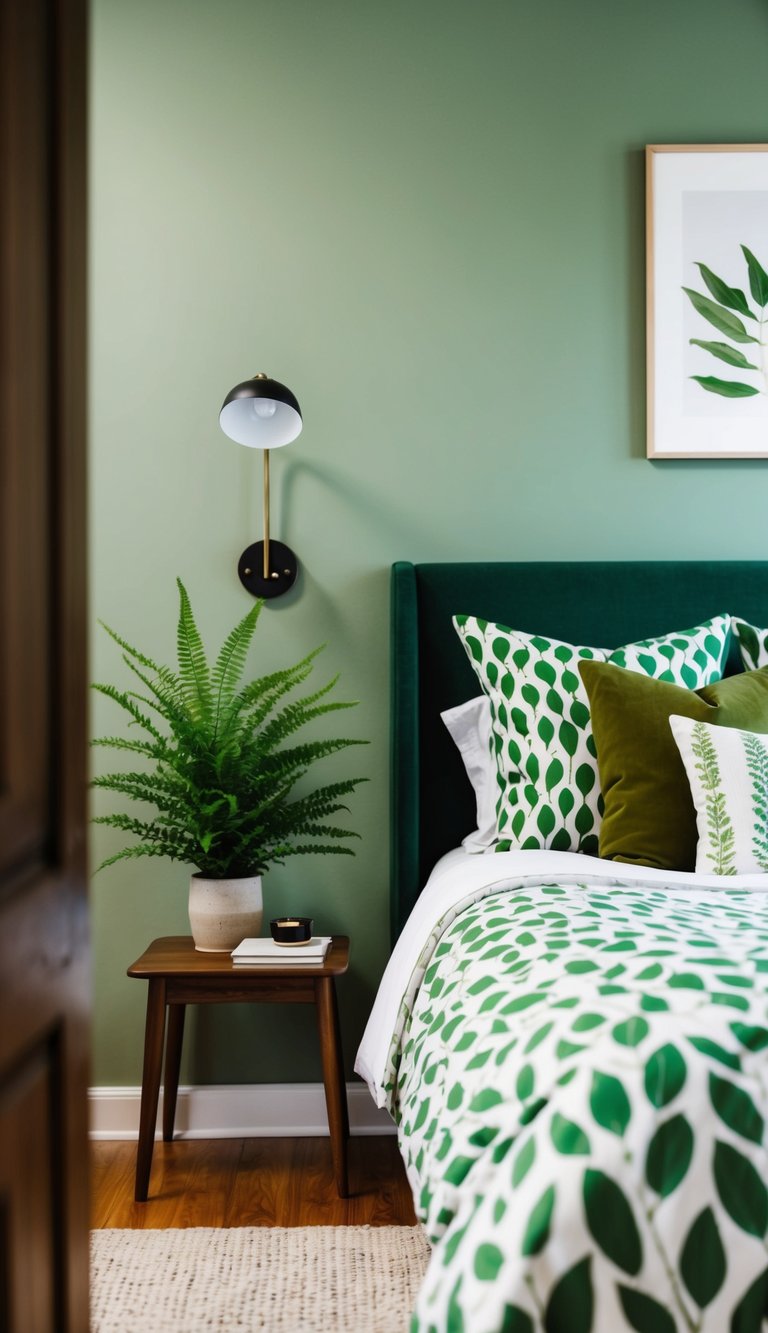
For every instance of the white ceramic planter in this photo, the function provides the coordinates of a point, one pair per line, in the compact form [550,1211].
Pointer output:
[222,912]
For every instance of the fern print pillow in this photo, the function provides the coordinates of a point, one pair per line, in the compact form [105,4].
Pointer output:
[728,774]
[546,760]
[753,643]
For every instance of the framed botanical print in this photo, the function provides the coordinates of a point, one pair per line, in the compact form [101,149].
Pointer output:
[707,300]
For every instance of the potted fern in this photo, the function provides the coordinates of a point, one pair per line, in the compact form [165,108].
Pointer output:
[218,769]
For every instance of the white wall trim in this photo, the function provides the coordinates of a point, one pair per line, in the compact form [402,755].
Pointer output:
[234,1111]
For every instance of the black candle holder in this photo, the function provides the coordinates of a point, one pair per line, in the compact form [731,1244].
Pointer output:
[291,929]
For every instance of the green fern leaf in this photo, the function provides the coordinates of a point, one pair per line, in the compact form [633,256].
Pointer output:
[757,766]
[138,849]
[126,701]
[719,826]
[168,700]
[131,652]
[149,749]
[193,667]
[230,663]
[263,693]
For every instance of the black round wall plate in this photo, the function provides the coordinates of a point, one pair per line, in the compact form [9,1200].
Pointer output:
[283,568]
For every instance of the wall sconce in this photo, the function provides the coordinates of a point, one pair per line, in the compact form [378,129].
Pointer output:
[263,414]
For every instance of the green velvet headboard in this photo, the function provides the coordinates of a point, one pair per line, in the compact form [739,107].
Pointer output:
[605,604]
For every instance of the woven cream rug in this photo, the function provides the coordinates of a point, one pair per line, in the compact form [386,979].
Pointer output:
[282,1279]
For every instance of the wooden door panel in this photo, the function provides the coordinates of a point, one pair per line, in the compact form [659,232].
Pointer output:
[29,1193]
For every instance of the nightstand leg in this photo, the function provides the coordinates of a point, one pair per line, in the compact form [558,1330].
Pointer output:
[333,1078]
[150,1083]
[172,1065]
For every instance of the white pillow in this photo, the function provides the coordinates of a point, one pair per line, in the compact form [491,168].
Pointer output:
[469,725]
[728,774]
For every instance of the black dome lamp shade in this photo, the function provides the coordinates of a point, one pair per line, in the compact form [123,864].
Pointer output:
[263,414]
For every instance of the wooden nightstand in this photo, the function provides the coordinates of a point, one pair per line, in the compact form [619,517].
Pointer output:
[178,975]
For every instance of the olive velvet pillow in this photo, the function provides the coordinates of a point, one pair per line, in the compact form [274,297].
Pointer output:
[650,818]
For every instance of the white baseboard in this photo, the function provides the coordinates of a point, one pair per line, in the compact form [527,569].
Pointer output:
[238,1111]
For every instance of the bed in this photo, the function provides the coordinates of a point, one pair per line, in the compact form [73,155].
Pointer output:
[573,1049]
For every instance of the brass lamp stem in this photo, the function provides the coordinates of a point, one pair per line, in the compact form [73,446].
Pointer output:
[266,513]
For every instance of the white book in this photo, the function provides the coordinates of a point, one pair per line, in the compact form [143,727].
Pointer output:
[291,965]
[269,953]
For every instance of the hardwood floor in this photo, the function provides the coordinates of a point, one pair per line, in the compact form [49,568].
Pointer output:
[251,1183]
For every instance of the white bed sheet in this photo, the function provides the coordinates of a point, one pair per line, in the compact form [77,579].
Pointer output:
[458,879]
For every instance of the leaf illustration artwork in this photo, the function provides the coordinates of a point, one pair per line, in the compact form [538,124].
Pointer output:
[726,308]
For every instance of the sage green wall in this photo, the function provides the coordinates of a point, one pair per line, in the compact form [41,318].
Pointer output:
[426,217]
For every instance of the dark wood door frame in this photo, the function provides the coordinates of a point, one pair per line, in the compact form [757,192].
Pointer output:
[43,912]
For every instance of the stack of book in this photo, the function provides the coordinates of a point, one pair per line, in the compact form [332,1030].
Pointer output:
[266,953]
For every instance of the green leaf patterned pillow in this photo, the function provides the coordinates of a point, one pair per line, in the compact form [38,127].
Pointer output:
[546,765]
[753,643]
[728,773]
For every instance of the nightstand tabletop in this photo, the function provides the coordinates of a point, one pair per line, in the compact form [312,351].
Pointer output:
[176,956]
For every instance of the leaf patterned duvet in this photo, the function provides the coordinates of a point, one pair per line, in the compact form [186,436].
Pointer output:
[580,1084]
